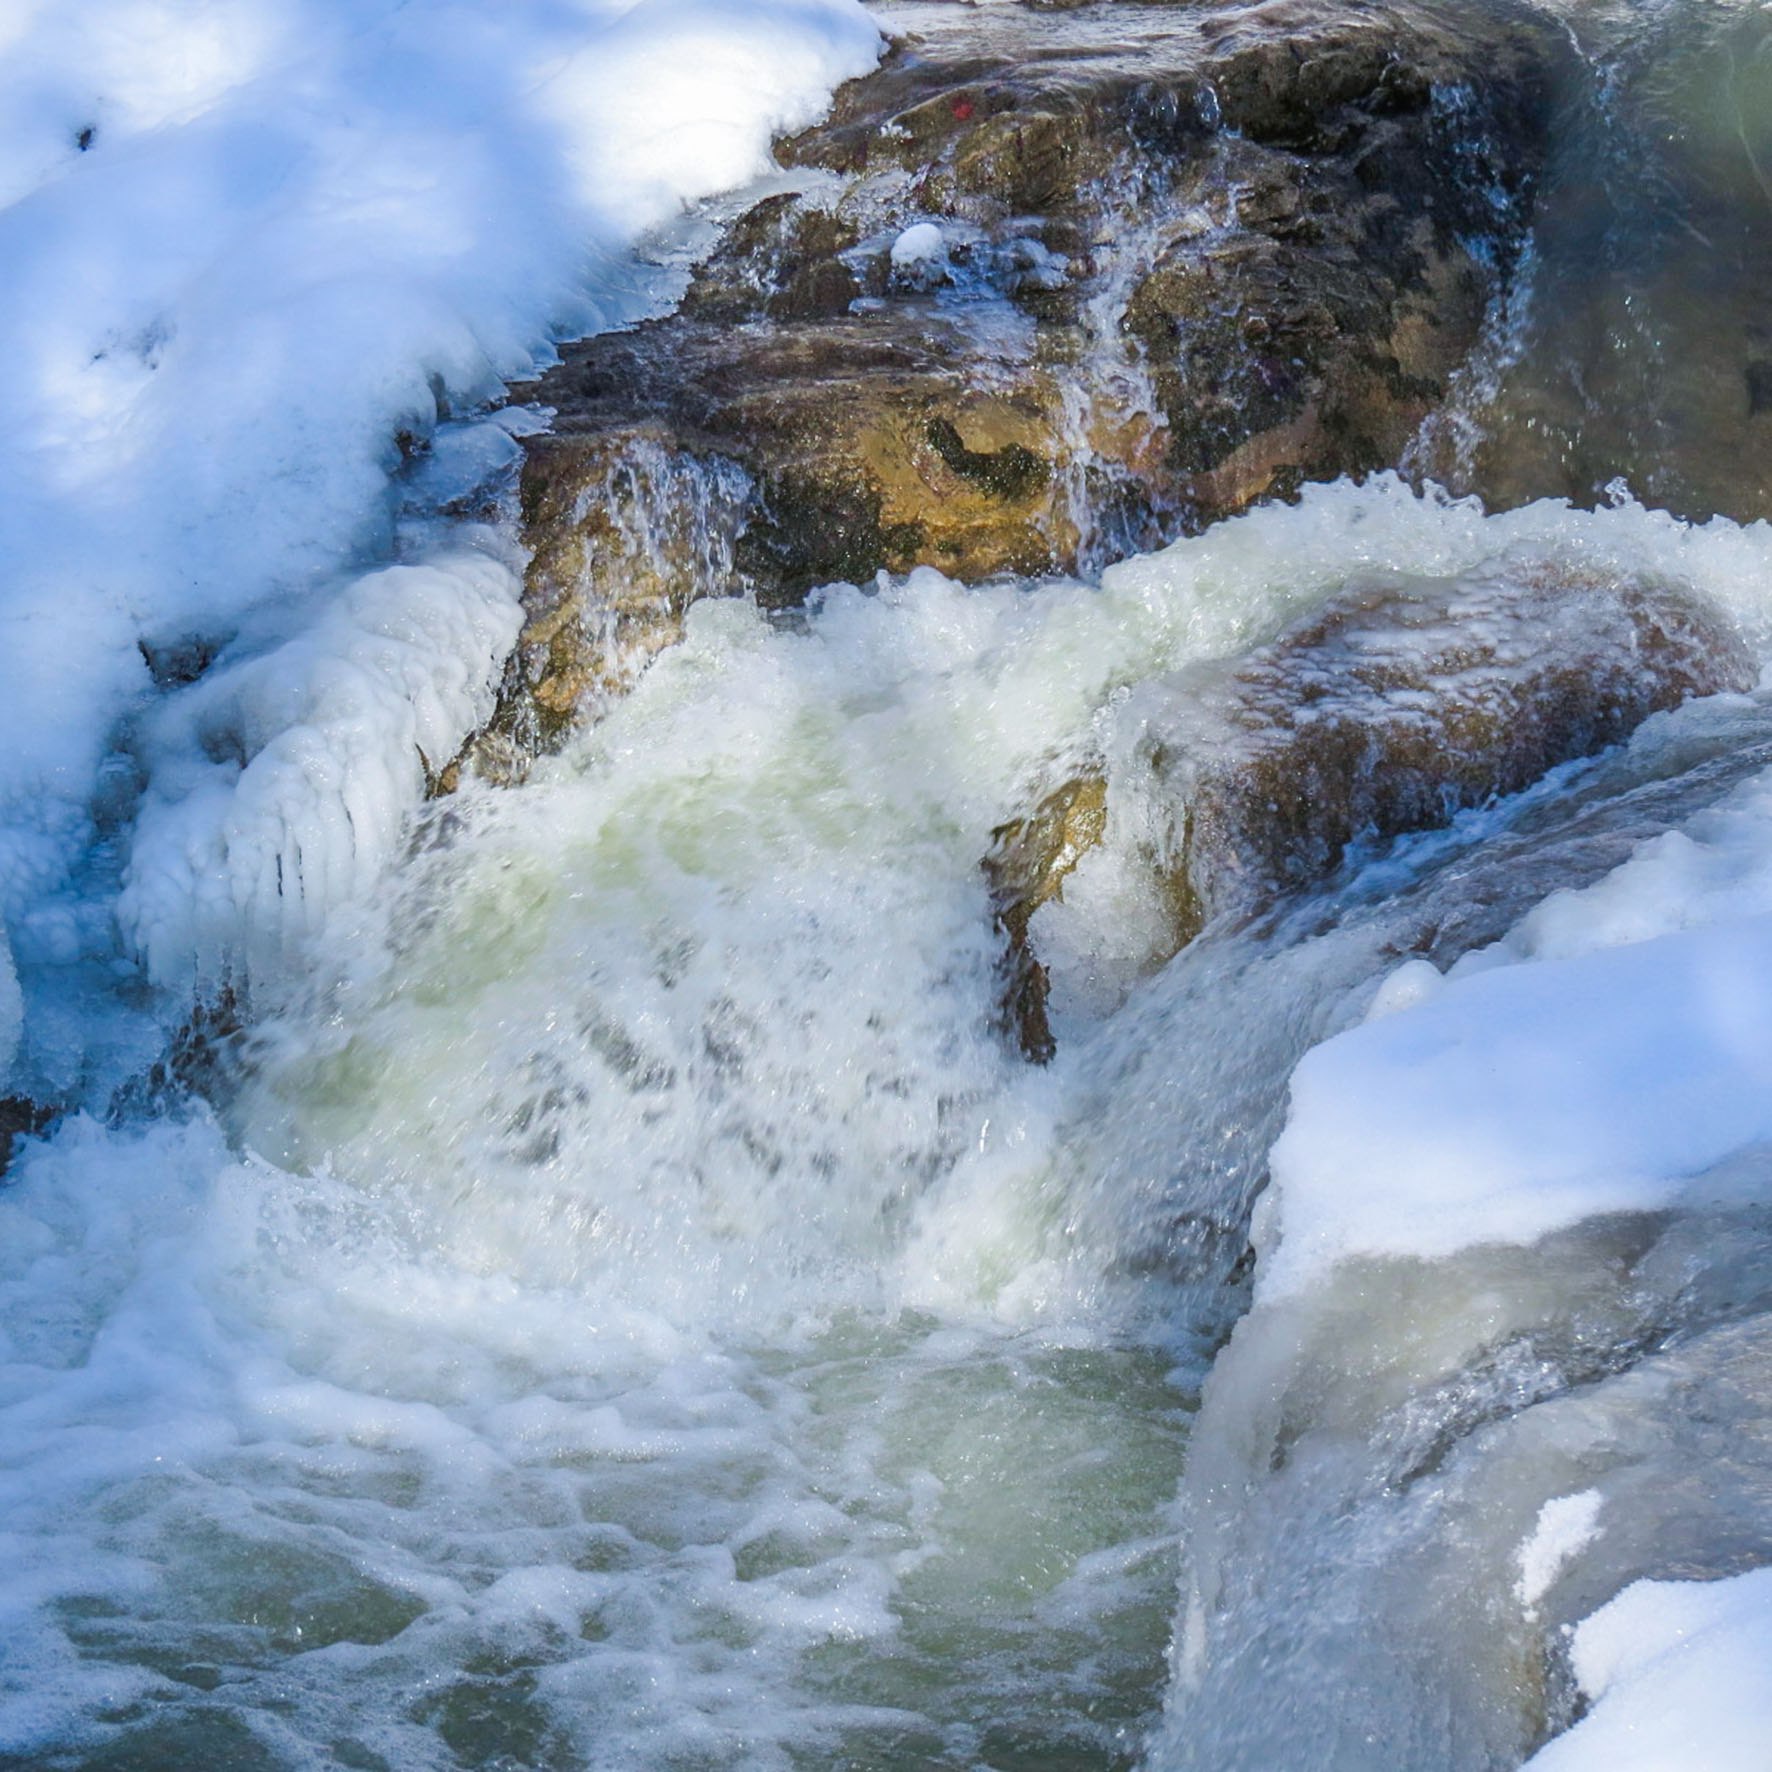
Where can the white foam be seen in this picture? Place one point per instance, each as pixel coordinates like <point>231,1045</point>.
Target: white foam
<point>682,1050</point>
<point>252,1422</point>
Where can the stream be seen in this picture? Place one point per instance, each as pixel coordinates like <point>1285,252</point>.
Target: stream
<point>627,1304</point>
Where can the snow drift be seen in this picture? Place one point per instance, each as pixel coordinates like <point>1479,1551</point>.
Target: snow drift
<point>241,247</point>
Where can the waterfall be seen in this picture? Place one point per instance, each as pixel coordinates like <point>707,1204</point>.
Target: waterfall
<point>559,1248</point>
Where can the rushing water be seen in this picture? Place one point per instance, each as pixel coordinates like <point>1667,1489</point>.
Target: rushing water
<point>636,1309</point>
<point>641,1311</point>
<point>1638,347</point>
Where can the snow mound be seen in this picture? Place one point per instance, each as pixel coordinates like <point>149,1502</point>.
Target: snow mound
<point>1678,1673</point>
<point>1522,1101</point>
<point>1606,1056</point>
<point>918,244</point>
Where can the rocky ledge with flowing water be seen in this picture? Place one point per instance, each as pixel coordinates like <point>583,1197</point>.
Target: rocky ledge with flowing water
<point>609,1288</point>
<point>1044,290</point>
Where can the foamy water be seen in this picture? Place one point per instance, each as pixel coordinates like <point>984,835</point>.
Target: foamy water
<point>639,1311</point>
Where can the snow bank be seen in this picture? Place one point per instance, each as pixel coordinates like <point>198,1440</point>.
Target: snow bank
<point>243,244</point>
<point>1678,1670</point>
<point>1630,1056</point>
<point>1520,1101</point>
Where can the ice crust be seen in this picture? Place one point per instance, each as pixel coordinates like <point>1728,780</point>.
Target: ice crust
<point>1609,1057</point>
<point>242,246</point>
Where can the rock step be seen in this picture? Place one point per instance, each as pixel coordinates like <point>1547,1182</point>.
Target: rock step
<point>1167,261</point>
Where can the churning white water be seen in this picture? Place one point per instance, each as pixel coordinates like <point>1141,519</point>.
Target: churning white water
<point>623,1300</point>
<point>640,1311</point>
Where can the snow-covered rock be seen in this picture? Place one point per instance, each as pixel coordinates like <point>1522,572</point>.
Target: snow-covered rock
<point>244,245</point>
<point>1677,1670</point>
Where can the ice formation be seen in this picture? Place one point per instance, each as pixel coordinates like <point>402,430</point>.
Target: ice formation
<point>1609,1052</point>
<point>279,786</point>
<point>244,245</point>
<point>12,1009</point>
<point>918,244</point>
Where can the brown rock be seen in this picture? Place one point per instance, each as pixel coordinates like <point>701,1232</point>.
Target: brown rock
<point>1405,702</point>
<point>1188,264</point>
<point>1027,865</point>
<point>1390,710</point>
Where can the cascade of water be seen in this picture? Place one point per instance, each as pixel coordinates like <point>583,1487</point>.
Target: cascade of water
<point>660,1316</point>
<point>1635,350</point>
<point>628,1304</point>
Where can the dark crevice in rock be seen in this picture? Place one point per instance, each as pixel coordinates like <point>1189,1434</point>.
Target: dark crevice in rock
<point>20,1117</point>
<point>175,663</point>
<point>1012,472</point>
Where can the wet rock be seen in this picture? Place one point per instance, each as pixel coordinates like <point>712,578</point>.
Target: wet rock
<point>781,260</point>
<point>1186,261</point>
<point>20,1117</point>
<point>696,460</point>
<point>1404,703</point>
<point>650,526</point>
<point>205,1057</point>
<point>1398,705</point>
<point>1026,868</point>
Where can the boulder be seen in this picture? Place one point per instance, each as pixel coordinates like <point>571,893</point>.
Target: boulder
<point>1060,284</point>
<point>1391,709</point>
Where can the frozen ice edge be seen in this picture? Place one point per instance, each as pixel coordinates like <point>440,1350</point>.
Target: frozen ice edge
<point>243,246</point>
<point>1611,1055</point>
<point>239,865</point>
